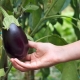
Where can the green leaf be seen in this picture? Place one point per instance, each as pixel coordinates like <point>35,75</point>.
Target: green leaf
<point>60,67</point>
<point>75,5</point>
<point>57,40</point>
<point>2,72</point>
<point>53,6</point>
<point>45,73</point>
<point>29,37</point>
<point>41,1</point>
<point>15,3</point>
<point>3,59</point>
<point>77,32</point>
<point>54,39</point>
<point>6,4</point>
<point>34,18</point>
<point>31,7</point>
<point>70,71</point>
<point>67,2</point>
<point>25,2</point>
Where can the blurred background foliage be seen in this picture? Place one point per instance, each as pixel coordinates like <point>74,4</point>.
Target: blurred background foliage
<point>54,21</point>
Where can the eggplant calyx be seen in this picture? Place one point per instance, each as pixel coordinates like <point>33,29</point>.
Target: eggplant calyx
<point>8,19</point>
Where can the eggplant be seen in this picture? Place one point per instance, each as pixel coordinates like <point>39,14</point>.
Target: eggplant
<point>15,41</point>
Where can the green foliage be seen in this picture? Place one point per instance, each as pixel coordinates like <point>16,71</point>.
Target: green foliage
<point>70,71</point>
<point>53,6</point>
<point>2,72</point>
<point>45,21</point>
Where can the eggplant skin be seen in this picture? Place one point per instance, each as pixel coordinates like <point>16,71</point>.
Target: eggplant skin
<point>15,42</point>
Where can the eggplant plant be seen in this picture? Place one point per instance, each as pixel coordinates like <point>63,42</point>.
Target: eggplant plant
<point>24,20</point>
<point>13,33</point>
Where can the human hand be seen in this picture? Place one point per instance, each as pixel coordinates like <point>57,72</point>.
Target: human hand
<point>46,55</point>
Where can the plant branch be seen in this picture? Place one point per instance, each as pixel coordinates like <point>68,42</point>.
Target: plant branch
<point>35,29</point>
<point>8,71</point>
<point>57,16</point>
<point>50,9</point>
<point>3,12</point>
<point>39,23</point>
<point>47,18</point>
<point>43,37</point>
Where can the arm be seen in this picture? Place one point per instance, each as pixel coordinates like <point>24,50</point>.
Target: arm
<point>71,51</point>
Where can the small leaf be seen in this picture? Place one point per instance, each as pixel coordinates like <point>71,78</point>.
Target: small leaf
<point>2,72</point>
<point>45,73</point>
<point>31,7</point>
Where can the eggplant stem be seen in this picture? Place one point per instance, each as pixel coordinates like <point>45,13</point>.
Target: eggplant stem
<point>3,12</point>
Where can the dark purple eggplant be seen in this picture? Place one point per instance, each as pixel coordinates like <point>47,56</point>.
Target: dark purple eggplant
<point>15,41</point>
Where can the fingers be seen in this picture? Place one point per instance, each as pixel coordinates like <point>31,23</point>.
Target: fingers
<point>33,44</point>
<point>18,66</point>
<point>28,57</point>
<point>28,64</point>
<point>24,66</point>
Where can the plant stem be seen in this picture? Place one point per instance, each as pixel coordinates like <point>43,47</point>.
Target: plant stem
<point>3,12</point>
<point>57,16</point>
<point>2,61</point>
<point>50,8</point>
<point>47,18</point>
<point>43,37</point>
<point>39,23</point>
<point>8,71</point>
<point>35,29</point>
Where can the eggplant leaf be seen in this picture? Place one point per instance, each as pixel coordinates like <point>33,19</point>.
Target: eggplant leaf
<point>67,2</point>
<point>45,73</point>
<point>31,7</point>
<point>53,6</point>
<point>70,71</point>
<point>2,72</point>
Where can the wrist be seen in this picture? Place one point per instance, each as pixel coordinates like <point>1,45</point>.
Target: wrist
<point>59,54</point>
<point>67,53</point>
<point>63,54</point>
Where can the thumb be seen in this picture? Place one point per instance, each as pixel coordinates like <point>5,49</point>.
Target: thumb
<point>33,44</point>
